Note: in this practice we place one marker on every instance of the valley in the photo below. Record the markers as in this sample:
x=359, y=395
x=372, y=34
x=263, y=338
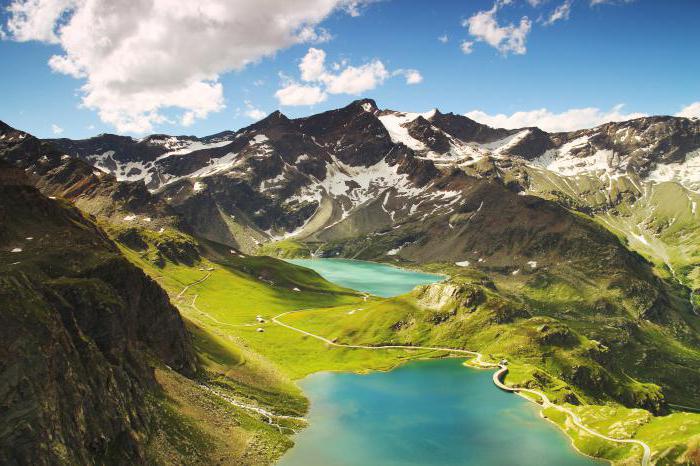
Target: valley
x=572, y=255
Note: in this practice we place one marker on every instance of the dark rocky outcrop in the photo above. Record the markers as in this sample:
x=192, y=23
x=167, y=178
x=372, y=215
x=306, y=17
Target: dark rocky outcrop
x=80, y=328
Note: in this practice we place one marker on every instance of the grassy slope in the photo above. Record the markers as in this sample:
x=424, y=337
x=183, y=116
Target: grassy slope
x=262, y=365
x=287, y=249
x=255, y=367
x=660, y=221
x=539, y=348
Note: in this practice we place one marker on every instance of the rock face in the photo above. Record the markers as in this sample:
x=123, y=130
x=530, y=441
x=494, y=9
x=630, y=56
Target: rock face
x=80, y=328
x=322, y=176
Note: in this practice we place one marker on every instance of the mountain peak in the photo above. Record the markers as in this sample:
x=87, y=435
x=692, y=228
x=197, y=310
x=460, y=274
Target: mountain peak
x=276, y=115
x=274, y=118
x=368, y=105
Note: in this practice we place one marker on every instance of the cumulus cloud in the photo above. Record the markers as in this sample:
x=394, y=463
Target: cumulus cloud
x=356, y=79
x=343, y=78
x=144, y=58
x=690, y=111
x=467, y=47
x=353, y=7
x=569, y=120
x=313, y=65
x=561, y=12
x=443, y=38
x=37, y=19
x=484, y=27
x=314, y=35
x=412, y=76
x=299, y=94
x=252, y=112
x=55, y=129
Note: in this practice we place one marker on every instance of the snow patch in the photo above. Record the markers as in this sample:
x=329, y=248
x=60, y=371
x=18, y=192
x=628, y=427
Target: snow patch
x=258, y=139
x=686, y=173
x=394, y=124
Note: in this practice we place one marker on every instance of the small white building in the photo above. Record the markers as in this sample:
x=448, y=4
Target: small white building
x=260, y=329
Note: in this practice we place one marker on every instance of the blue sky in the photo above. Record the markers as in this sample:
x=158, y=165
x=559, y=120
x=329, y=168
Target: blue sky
x=642, y=54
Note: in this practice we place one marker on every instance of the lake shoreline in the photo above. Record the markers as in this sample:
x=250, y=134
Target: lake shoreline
x=465, y=363
x=469, y=369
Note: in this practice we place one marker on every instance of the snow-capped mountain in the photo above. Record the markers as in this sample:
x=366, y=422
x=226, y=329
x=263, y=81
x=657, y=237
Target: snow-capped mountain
x=359, y=169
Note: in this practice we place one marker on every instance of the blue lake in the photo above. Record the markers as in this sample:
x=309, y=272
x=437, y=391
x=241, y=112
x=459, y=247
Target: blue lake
x=423, y=413
x=371, y=277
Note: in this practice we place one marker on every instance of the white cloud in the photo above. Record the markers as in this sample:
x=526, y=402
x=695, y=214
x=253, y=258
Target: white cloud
x=443, y=38
x=187, y=119
x=252, y=112
x=484, y=27
x=142, y=59
x=341, y=79
x=352, y=7
x=299, y=94
x=66, y=65
x=690, y=111
x=569, y=120
x=356, y=79
x=55, y=129
x=561, y=12
x=314, y=35
x=412, y=76
x=36, y=19
x=466, y=47
x=313, y=65
x=602, y=2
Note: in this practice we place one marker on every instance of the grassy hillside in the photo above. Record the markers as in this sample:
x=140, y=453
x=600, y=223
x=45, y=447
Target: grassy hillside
x=660, y=221
x=545, y=329
x=220, y=299
x=544, y=353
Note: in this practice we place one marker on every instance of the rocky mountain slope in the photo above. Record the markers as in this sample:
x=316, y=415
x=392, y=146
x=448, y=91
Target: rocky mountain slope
x=80, y=327
x=360, y=171
x=322, y=176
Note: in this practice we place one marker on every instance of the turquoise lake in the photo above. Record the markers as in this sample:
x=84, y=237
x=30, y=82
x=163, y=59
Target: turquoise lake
x=371, y=277
x=423, y=413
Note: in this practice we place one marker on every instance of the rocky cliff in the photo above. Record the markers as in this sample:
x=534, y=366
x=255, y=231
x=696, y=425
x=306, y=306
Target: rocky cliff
x=80, y=331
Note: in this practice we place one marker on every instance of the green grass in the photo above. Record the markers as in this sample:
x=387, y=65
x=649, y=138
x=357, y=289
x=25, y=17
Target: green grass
x=262, y=366
x=673, y=439
x=242, y=288
x=286, y=249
